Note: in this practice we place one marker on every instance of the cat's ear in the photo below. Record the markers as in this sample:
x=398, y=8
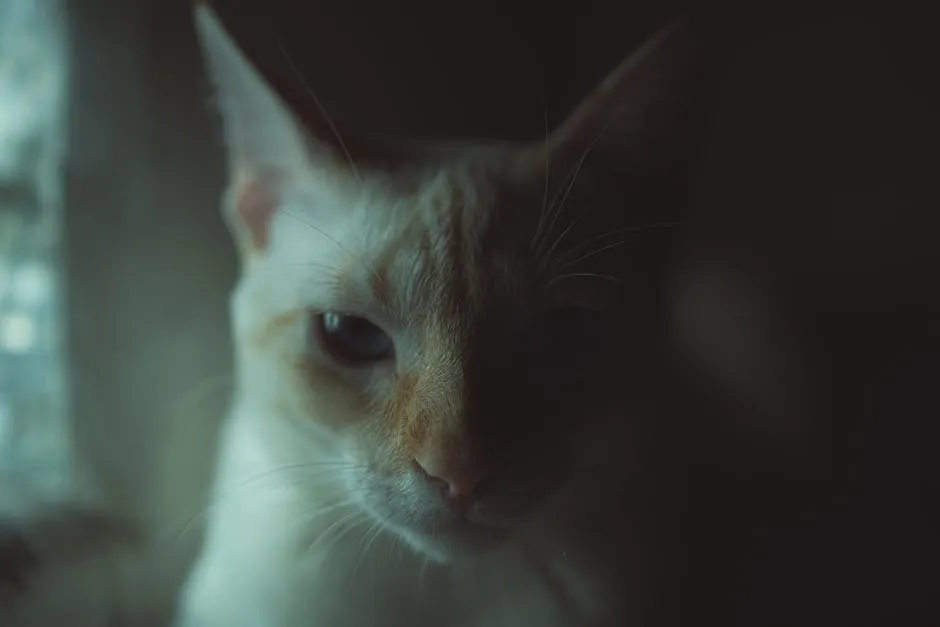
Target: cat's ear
x=638, y=114
x=268, y=149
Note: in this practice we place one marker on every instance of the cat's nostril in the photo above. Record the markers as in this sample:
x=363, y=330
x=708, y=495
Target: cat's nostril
x=455, y=482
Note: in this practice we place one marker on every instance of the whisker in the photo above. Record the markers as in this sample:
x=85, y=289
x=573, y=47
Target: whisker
x=593, y=253
x=330, y=465
x=572, y=178
x=421, y=575
x=322, y=511
x=300, y=264
x=583, y=274
x=398, y=548
x=540, y=224
x=336, y=524
x=344, y=531
x=562, y=265
x=553, y=210
x=558, y=240
x=371, y=535
x=210, y=499
x=360, y=546
x=320, y=231
x=316, y=101
x=352, y=256
x=629, y=229
x=200, y=392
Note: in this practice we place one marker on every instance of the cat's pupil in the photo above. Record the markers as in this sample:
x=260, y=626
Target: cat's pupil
x=353, y=339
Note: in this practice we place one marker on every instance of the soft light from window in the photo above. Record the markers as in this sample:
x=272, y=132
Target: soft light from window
x=33, y=99
x=31, y=285
x=17, y=333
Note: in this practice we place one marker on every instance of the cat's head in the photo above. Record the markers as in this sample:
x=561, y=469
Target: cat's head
x=455, y=324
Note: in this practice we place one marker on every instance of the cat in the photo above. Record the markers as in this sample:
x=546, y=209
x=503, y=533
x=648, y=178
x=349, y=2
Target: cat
x=445, y=361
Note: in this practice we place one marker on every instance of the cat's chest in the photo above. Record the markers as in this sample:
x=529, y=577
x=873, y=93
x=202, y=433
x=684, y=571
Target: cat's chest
x=389, y=590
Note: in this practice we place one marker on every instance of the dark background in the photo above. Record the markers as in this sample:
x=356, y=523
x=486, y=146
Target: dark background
x=820, y=162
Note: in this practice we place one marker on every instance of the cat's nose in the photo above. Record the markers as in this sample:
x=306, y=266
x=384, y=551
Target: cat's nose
x=457, y=481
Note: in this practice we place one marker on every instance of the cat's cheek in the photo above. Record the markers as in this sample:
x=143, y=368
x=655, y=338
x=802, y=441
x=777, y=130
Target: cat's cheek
x=387, y=499
x=330, y=396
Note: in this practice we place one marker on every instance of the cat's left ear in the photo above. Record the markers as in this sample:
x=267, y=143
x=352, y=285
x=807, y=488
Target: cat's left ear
x=639, y=113
x=269, y=150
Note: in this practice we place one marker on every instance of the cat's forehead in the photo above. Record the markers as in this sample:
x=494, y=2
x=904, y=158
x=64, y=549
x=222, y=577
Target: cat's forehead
x=452, y=250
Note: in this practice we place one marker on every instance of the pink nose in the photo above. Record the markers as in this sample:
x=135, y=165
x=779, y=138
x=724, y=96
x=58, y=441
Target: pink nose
x=456, y=481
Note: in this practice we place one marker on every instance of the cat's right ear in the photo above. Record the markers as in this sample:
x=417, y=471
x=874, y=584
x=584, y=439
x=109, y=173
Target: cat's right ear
x=268, y=149
x=639, y=114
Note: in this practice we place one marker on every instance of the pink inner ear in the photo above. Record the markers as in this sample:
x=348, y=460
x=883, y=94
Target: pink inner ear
x=253, y=204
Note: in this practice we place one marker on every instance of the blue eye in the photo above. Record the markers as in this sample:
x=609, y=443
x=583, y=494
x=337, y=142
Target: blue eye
x=352, y=339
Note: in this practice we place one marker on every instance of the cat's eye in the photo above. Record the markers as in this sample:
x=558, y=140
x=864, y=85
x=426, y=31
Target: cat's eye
x=352, y=340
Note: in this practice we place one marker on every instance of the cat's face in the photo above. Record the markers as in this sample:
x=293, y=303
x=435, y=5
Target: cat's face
x=453, y=331
x=452, y=370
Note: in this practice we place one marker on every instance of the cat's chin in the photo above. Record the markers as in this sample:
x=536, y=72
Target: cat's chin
x=455, y=542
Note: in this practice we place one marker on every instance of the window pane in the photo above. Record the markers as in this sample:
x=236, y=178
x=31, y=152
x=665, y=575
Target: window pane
x=33, y=391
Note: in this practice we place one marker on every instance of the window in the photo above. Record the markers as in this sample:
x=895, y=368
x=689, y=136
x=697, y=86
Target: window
x=33, y=389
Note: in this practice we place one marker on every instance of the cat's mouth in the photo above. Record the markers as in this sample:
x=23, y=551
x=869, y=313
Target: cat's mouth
x=435, y=526
x=460, y=538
